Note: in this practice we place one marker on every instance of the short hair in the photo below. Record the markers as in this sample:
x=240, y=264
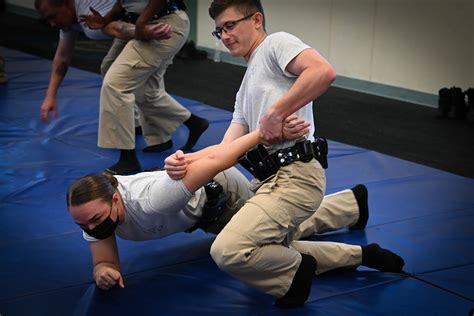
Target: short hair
x=245, y=6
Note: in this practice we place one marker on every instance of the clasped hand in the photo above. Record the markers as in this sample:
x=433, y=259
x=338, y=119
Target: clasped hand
x=158, y=31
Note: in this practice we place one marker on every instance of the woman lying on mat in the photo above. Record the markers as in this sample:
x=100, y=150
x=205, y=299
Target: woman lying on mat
x=150, y=205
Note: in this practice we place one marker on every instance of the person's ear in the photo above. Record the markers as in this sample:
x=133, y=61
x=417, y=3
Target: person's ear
x=258, y=18
x=115, y=197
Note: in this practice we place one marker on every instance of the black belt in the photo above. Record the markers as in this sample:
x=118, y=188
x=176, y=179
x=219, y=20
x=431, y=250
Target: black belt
x=262, y=165
x=169, y=8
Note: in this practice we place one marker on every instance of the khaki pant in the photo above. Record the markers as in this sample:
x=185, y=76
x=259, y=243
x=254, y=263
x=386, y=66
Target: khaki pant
x=115, y=50
x=136, y=77
x=258, y=245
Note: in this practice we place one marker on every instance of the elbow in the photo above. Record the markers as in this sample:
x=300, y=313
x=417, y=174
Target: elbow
x=330, y=74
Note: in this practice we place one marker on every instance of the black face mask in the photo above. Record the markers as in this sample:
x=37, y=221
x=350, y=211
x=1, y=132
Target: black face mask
x=103, y=230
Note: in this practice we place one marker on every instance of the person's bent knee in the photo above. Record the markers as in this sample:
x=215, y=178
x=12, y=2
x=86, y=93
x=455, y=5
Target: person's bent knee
x=113, y=84
x=224, y=253
x=217, y=252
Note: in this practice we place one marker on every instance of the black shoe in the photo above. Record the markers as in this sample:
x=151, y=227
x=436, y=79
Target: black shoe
x=123, y=169
x=470, y=97
x=459, y=103
x=138, y=130
x=375, y=257
x=362, y=197
x=445, y=101
x=127, y=164
x=158, y=148
x=197, y=126
x=301, y=285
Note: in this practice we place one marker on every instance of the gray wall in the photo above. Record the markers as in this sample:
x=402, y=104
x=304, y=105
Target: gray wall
x=416, y=45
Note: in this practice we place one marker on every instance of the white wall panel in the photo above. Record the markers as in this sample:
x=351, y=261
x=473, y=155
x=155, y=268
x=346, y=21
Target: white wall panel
x=422, y=45
x=352, y=38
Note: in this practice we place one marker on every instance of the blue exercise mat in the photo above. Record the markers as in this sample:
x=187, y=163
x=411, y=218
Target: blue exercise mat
x=425, y=215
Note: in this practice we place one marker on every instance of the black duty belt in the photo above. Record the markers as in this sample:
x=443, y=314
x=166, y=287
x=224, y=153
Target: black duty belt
x=262, y=165
x=169, y=8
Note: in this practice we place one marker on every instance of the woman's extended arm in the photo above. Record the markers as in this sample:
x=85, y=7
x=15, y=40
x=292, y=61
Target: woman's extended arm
x=106, y=263
x=176, y=165
x=202, y=167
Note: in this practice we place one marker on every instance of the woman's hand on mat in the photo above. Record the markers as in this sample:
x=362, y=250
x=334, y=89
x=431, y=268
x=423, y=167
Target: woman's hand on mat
x=95, y=21
x=49, y=105
x=175, y=165
x=295, y=127
x=160, y=31
x=107, y=277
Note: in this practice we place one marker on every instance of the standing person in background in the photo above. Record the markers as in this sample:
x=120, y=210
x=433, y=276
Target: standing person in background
x=65, y=15
x=136, y=76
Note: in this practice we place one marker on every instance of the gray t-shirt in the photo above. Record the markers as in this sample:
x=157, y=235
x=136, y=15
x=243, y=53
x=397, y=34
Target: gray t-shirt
x=156, y=206
x=266, y=81
x=82, y=8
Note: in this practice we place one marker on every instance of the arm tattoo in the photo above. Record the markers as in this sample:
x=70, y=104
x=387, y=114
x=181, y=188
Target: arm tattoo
x=127, y=30
x=62, y=69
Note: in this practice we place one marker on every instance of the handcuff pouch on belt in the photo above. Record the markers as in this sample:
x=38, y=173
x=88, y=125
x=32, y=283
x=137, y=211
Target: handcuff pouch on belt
x=320, y=150
x=262, y=165
x=215, y=212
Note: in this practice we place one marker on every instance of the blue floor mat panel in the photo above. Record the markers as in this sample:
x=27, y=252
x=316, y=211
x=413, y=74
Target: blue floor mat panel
x=427, y=244
x=401, y=297
x=425, y=215
x=459, y=280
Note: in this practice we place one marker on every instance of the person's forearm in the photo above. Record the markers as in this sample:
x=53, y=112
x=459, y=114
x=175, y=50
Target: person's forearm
x=228, y=154
x=191, y=157
x=104, y=255
x=58, y=72
x=310, y=84
x=219, y=158
x=121, y=30
x=234, y=131
x=60, y=66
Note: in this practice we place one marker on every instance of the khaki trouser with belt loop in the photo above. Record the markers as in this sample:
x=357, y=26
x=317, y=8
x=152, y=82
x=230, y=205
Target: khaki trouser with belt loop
x=258, y=245
x=136, y=77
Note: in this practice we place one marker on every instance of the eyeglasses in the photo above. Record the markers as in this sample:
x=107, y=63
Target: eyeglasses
x=228, y=26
